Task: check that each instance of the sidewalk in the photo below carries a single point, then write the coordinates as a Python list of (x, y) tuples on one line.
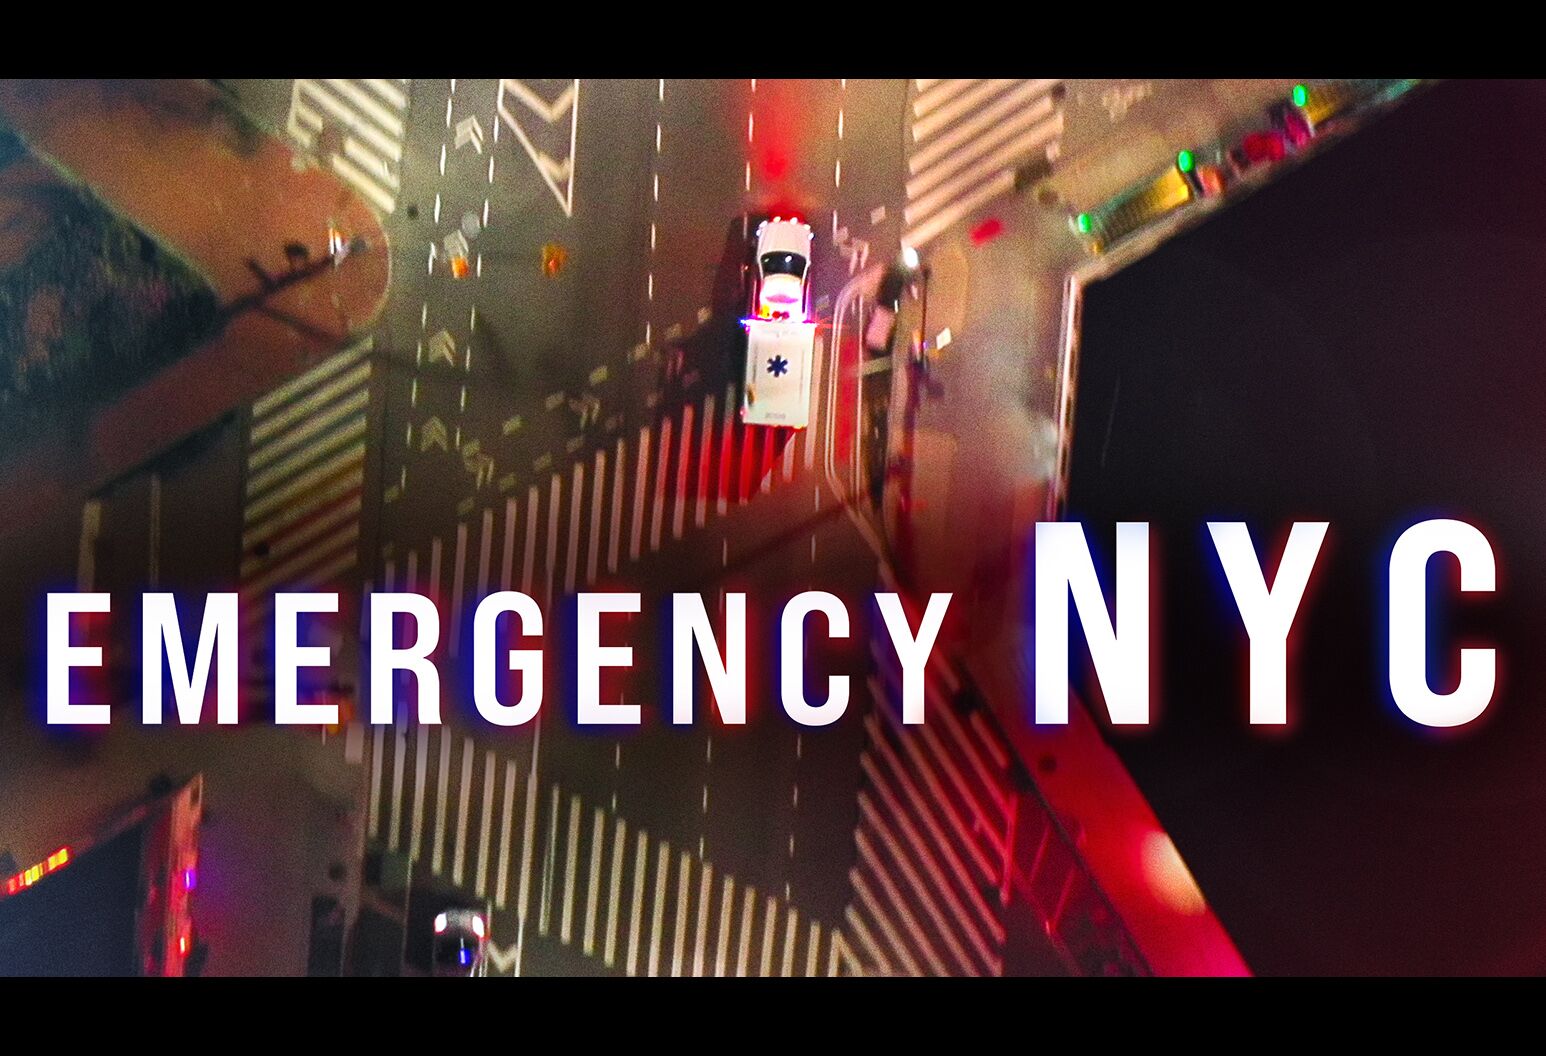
[(164, 156)]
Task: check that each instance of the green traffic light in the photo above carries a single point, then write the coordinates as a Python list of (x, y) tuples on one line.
[(1083, 222), (1184, 161), (1301, 95)]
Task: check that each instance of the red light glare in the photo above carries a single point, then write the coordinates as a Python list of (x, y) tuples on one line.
[(27, 877), (1261, 147), (987, 231)]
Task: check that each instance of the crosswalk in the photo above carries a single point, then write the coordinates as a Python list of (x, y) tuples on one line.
[(607, 510), (951, 832), (579, 872), (936, 819), (304, 483), (965, 140), (368, 122)]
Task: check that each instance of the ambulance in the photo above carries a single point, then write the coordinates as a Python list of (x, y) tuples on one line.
[(780, 333)]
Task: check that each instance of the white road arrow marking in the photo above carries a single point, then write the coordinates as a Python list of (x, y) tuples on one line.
[(557, 173), (434, 432), (443, 346), (468, 130)]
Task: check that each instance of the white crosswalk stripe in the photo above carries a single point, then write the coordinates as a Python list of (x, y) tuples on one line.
[(369, 117), (304, 479), (966, 138)]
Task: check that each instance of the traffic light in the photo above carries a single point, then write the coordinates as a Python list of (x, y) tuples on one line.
[(554, 257)]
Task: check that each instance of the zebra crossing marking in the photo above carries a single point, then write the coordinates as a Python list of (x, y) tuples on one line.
[(683, 893), (641, 854), (968, 137), (485, 829), (614, 891), (302, 488), (370, 117), (462, 803), (399, 750), (934, 831), (657, 914), (755, 934), (700, 942), (571, 855), (593, 886), (743, 952)]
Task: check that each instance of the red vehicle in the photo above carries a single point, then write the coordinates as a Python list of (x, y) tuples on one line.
[(1259, 148)]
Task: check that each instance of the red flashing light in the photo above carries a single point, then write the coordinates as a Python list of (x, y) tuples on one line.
[(987, 231)]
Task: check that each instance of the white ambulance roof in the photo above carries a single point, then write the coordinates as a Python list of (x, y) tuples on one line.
[(784, 236)]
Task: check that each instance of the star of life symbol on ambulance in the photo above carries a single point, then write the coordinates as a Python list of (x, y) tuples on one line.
[(778, 366)]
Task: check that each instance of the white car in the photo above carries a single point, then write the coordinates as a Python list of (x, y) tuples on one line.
[(783, 290), (461, 943)]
